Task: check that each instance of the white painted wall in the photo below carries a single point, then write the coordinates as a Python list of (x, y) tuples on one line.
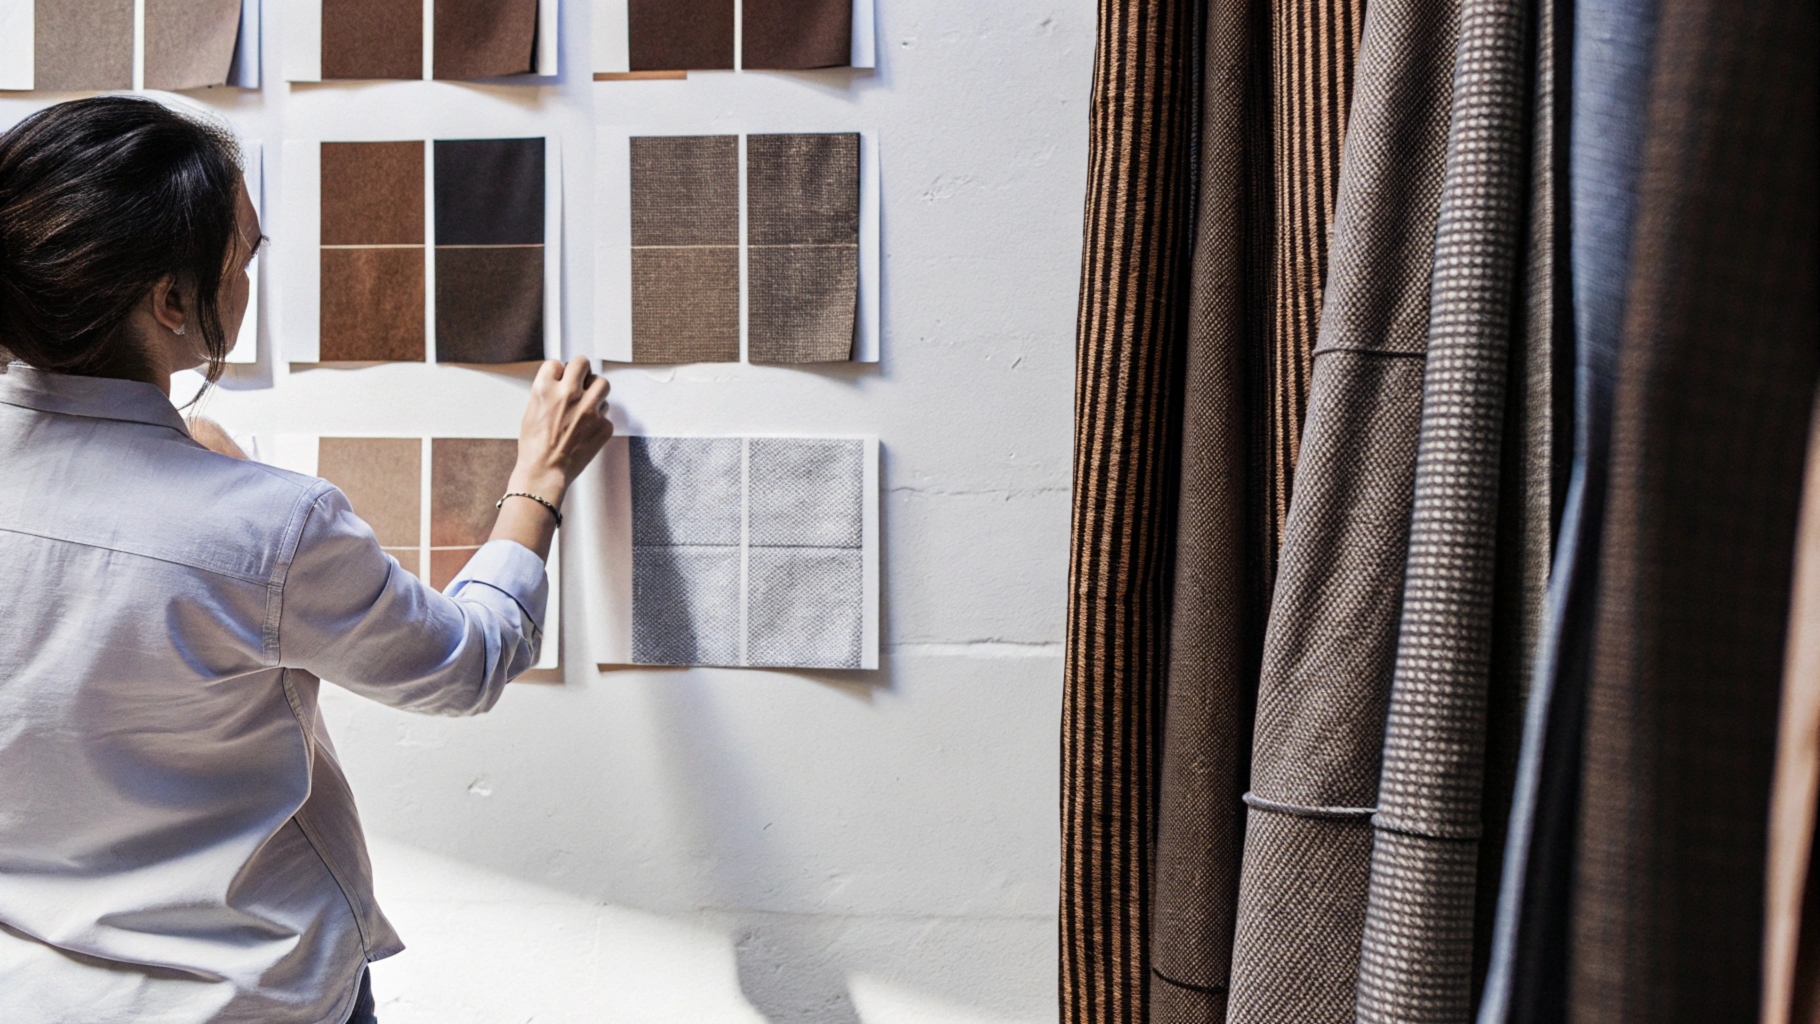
[(714, 845)]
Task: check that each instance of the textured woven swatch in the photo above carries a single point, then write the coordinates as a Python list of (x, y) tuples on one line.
[(1330, 643), (189, 43), (685, 605), (489, 304), (680, 35), (805, 607), (484, 38), (685, 490), (372, 39), (807, 493), (802, 216), (82, 45), (685, 249), (796, 34)]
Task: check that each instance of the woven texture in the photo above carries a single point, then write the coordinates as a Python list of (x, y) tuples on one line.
[(802, 223), (1333, 622), (685, 249), (1416, 952), (1134, 266), (1716, 380), (1221, 593)]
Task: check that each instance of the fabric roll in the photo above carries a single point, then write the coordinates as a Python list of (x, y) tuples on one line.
[(1313, 46), (1134, 270), (1612, 44), (1221, 593), (1332, 629), (1716, 376), (1416, 955)]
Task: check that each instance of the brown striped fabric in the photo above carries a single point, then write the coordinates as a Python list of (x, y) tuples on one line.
[(1221, 593), (1138, 217), (1715, 384), (1313, 45), (1332, 628)]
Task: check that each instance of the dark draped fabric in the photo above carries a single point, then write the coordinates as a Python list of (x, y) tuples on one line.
[(1332, 626), (1716, 375), (1134, 271)]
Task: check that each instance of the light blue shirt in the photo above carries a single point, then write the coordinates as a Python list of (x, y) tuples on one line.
[(177, 841)]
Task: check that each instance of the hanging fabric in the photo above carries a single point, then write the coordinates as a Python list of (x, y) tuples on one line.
[(1716, 378), (1332, 624), (1134, 271)]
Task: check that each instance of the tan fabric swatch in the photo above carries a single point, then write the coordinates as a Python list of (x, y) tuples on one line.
[(372, 193), (189, 44), (372, 39), (802, 223), (685, 305), (680, 35), (382, 478), (467, 475), (796, 34), (82, 45), (803, 302), (372, 304), (484, 38), (489, 303), (685, 190)]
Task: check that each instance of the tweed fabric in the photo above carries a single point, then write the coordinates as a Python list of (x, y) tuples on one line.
[(1133, 275), (1221, 593), (82, 45), (685, 249), (805, 607), (1716, 381), (1416, 952), (802, 226), (1313, 46), (1331, 636)]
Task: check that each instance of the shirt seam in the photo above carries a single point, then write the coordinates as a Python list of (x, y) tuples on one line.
[(287, 555), (168, 560)]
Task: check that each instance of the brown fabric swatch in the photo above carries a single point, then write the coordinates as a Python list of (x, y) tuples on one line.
[(372, 39), (802, 226), (1138, 234), (447, 563), (484, 38), (489, 304), (1716, 378), (489, 191), (82, 45), (467, 475), (787, 35), (189, 43), (382, 478), (680, 35), (372, 193), (685, 249), (372, 305), (685, 305)]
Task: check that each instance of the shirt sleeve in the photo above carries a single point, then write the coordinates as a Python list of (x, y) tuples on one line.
[(351, 615)]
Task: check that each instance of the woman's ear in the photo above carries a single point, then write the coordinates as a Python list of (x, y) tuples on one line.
[(169, 307)]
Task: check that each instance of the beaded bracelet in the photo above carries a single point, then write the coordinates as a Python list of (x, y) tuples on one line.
[(501, 503)]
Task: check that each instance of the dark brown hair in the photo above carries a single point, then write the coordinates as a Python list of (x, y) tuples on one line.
[(99, 200)]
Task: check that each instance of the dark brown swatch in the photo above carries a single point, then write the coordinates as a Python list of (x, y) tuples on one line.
[(372, 39), (372, 193), (489, 191), (673, 35), (802, 216), (489, 304), (189, 44), (82, 45), (382, 478), (788, 35), (467, 475), (372, 304), (484, 38), (685, 249)]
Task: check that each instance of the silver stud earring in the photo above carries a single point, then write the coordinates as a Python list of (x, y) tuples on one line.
[(178, 331)]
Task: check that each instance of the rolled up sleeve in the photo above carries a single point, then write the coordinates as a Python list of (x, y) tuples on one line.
[(351, 615)]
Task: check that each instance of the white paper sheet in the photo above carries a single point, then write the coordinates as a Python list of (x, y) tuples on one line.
[(300, 33), (246, 344), (18, 44)]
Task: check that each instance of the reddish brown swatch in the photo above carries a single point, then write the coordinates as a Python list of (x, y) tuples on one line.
[(382, 478), (372, 304), (790, 35), (372, 39), (489, 304), (467, 475), (82, 45), (372, 193), (673, 35), (484, 38), (445, 563)]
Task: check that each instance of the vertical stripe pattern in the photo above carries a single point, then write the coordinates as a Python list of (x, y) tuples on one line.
[(1135, 260)]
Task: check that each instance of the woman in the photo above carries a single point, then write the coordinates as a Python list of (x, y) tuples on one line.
[(177, 842)]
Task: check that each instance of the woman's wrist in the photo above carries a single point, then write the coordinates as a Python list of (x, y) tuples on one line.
[(547, 483)]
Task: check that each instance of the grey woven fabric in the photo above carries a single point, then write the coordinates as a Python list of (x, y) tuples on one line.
[(1332, 630), (806, 607), (685, 490), (686, 536), (1416, 953), (807, 492)]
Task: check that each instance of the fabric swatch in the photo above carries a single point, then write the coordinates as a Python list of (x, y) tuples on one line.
[(807, 492), (372, 258), (805, 607), (189, 44), (685, 491), (685, 249), (467, 475), (372, 39), (680, 35), (372, 193), (685, 550), (786, 35), (82, 45), (382, 478), (802, 216), (484, 38), (489, 250)]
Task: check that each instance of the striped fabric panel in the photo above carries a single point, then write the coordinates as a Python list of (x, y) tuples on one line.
[(1137, 238), (1313, 46)]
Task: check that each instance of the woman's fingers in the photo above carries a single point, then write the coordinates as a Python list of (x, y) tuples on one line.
[(547, 373)]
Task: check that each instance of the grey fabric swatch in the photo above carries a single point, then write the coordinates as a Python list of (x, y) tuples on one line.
[(685, 605), (807, 493), (82, 45), (805, 607), (685, 490)]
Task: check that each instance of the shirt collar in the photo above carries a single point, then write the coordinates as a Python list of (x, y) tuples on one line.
[(103, 398)]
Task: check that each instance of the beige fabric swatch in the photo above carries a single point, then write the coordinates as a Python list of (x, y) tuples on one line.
[(189, 44), (83, 45), (382, 478)]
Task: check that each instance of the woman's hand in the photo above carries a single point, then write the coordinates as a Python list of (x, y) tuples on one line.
[(565, 426)]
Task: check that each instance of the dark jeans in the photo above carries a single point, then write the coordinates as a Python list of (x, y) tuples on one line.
[(363, 1003)]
